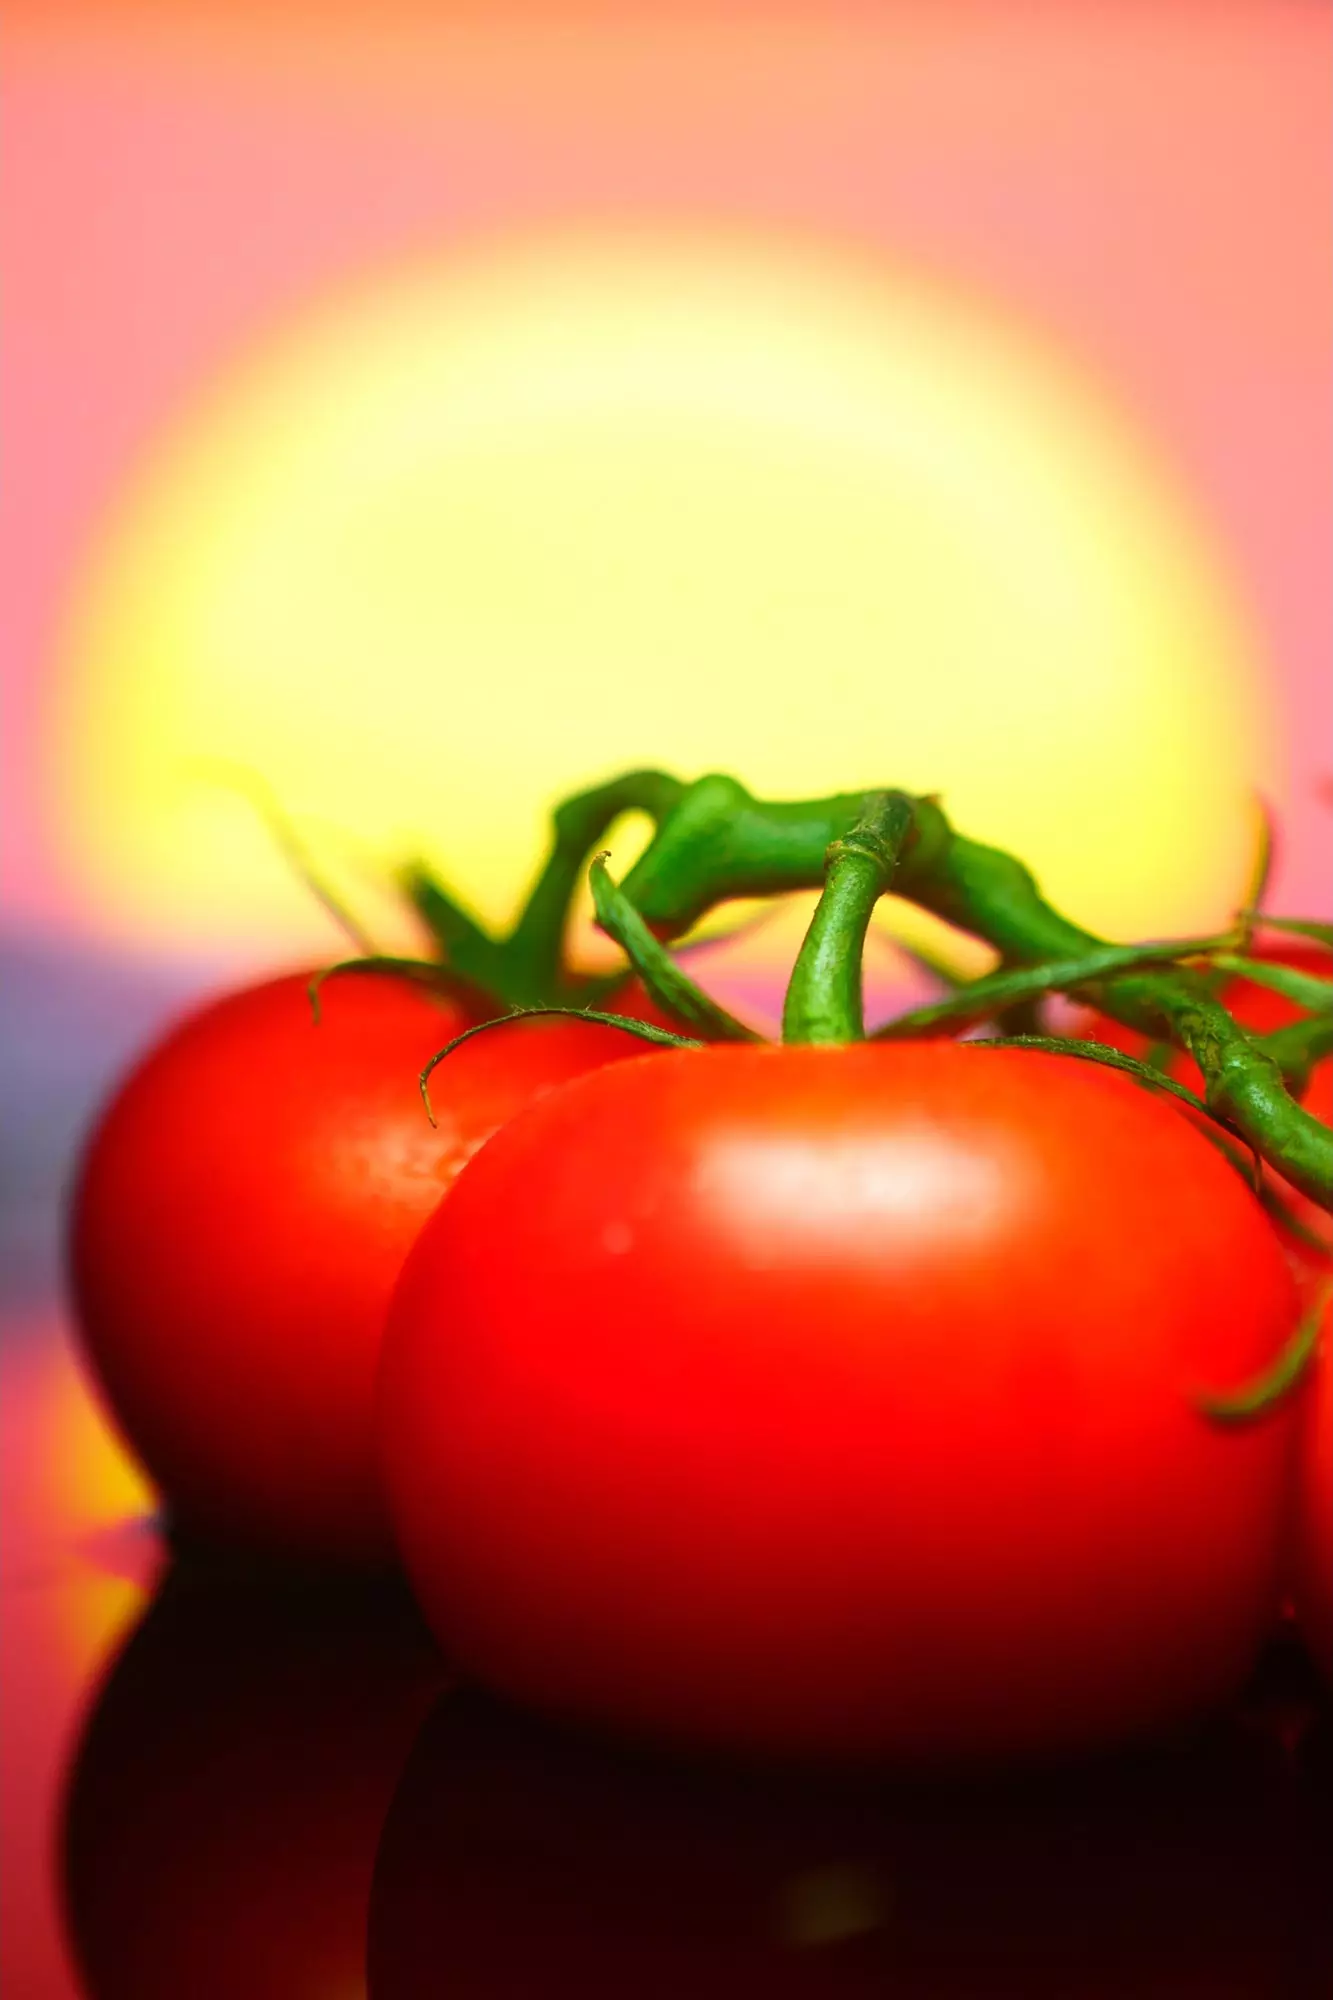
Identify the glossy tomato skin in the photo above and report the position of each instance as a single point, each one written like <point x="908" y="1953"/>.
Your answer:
<point x="841" y="1402"/>
<point x="241" y="1216"/>
<point x="1314" y="1509"/>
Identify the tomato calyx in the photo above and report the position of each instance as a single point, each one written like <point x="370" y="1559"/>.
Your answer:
<point x="527" y="968"/>
<point x="714" y="842"/>
<point x="824" y="1000"/>
<point x="718" y="842"/>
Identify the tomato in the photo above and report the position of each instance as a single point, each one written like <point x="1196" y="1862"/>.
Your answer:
<point x="1314" y="1511"/>
<point x="227" y="1796"/>
<point x="242" y="1214"/>
<point x="842" y="1400"/>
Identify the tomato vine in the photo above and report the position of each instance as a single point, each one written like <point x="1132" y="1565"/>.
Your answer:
<point x="715" y="842"/>
<point x="718" y="842"/>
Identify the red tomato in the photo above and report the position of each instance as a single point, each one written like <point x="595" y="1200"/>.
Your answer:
<point x="1314" y="1512"/>
<point x="242" y="1214"/>
<point x="227" y="1797"/>
<point x="841" y="1400"/>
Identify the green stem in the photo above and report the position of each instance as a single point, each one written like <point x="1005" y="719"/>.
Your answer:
<point x="425" y="972"/>
<point x="1261" y="870"/>
<point x="824" y="998"/>
<point x="464" y="946"/>
<point x="1302" y="927"/>
<point x="1301" y="987"/>
<point x="1257" y="1398"/>
<point x="526" y="968"/>
<point x="988" y="892"/>
<point x="1297" y="1048"/>
<point x="672" y="988"/>
<point x="1000" y="990"/>
<point x="645" y="1031"/>
<point x="718" y="843"/>
<point x="293" y="849"/>
<point x="1106" y="1058"/>
<point x="534" y="950"/>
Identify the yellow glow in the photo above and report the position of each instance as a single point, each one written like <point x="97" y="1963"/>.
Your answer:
<point x="85" y="1501"/>
<point x="90" y="1481"/>
<point x="503" y="525"/>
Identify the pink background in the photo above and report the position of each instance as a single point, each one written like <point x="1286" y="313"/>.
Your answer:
<point x="1149" y="184"/>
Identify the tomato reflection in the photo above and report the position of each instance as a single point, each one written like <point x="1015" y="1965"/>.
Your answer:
<point x="518" y="1863"/>
<point x="226" y="1799"/>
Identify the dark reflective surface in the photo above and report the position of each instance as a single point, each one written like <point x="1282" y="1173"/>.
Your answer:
<point x="227" y="1796"/>
<point x="248" y="1787"/>
<point x="517" y="1862"/>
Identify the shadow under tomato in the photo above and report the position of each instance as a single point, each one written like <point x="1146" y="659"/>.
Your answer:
<point x="518" y="1862"/>
<point x="225" y="1802"/>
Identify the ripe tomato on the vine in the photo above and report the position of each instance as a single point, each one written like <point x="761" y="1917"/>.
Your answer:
<point x="843" y="1401"/>
<point x="243" y="1211"/>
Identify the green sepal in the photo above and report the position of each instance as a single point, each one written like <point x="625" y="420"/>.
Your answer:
<point x="645" y="1031"/>
<point x="1257" y="1398"/>
<point x="461" y="941"/>
<point x="672" y="988"/>
<point x="1001" y="990"/>
<point x="425" y="972"/>
<point x="1261" y="870"/>
<point x="1305" y="927"/>
<point x="292" y="848"/>
<point x="1302" y="987"/>
<point x="1298" y="1047"/>
<point x="1098" y="1052"/>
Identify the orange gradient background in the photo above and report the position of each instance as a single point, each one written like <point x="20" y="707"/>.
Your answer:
<point x="969" y="436"/>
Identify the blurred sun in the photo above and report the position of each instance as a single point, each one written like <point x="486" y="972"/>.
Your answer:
<point x="493" y="527"/>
